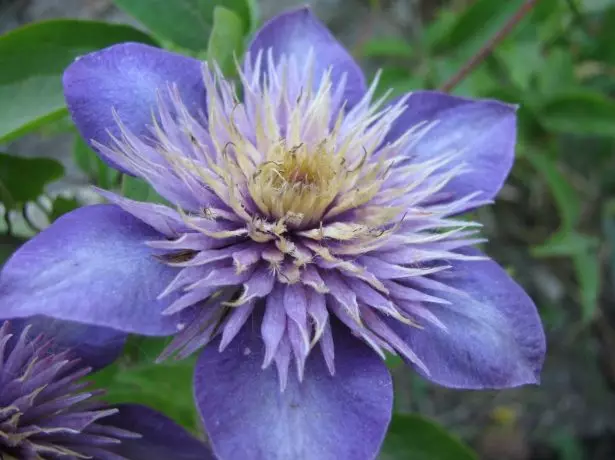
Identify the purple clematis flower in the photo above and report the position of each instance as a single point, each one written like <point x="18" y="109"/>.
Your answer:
<point x="47" y="412"/>
<point x="311" y="229"/>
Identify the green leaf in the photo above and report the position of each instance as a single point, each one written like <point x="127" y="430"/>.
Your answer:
<point x="187" y="23"/>
<point x="566" y="197"/>
<point x="393" y="361"/>
<point x="139" y="190"/>
<point x="551" y="19"/>
<point x="581" y="112"/>
<point x="254" y="16"/>
<point x="166" y="387"/>
<point x="24" y="179"/>
<point x="565" y="244"/>
<point x="567" y="444"/>
<point x="61" y="206"/>
<point x="478" y="83"/>
<point x="135" y="188"/>
<point x="90" y="163"/>
<point x="226" y="39"/>
<point x="33" y="58"/>
<point x="143" y="350"/>
<point x="522" y="60"/>
<point x="411" y="437"/>
<point x="568" y="242"/>
<point x="600" y="47"/>
<point x="83" y="156"/>
<point x="388" y="47"/>
<point x="398" y="81"/>
<point x="437" y="31"/>
<point x="587" y="269"/>
<point x="135" y="378"/>
<point x="583" y="250"/>
<point x="556" y="72"/>
<point x="475" y="25"/>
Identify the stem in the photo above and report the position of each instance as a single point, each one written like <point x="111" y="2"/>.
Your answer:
<point x="488" y="47"/>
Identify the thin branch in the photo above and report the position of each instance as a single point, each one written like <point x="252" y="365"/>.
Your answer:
<point x="488" y="47"/>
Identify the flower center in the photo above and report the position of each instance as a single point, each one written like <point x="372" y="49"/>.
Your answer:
<point x="297" y="183"/>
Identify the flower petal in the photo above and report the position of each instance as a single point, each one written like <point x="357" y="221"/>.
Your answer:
<point x="493" y="337"/>
<point x="127" y="77"/>
<point x="325" y="417"/>
<point x="91" y="266"/>
<point x="299" y="30"/>
<point x="96" y="346"/>
<point x="162" y="439"/>
<point x="484" y="131"/>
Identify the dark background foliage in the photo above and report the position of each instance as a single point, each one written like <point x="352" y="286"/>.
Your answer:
<point x="553" y="225"/>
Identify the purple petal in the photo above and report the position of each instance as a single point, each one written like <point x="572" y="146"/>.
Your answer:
<point x="126" y="77"/>
<point x="91" y="266"/>
<point x="162" y="439"/>
<point x="97" y="347"/>
<point x="236" y="319"/>
<point x="273" y="324"/>
<point x="161" y="218"/>
<point x="299" y="30"/>
<point x="484" y="129"/>
<point x="325" y="417"/>
<point x="493" y="337"/>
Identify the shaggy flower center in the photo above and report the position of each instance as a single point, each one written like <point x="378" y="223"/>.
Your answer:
<point x="296" y="183"/>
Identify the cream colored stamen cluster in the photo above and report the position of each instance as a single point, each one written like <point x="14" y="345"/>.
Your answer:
<point x="297" y="183"/>
<point x="301" y="169"/>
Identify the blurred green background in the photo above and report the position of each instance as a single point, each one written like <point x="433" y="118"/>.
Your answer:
<point x="553" y="225"/>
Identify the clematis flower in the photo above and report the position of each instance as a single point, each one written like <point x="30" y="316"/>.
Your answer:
<point x="310" y="228"/>
<point x="47" y="411"/>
